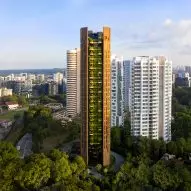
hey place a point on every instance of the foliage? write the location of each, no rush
(181, 102)
(60, 98)
(35, 172)
(8, 153)
(39, 171)
(38, 121)
(144, 168)
(21, 100)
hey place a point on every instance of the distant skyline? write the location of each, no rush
(36, 34)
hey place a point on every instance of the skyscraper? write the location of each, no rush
(95, 96)
(58, 77)
(165, 98)
(151, 90)
(127, 84)
(117, 91)
(73, 83)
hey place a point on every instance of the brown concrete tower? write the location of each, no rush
(95, 96)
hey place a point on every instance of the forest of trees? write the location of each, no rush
(38, 121)
(144, 168)
(181, 111)
(50, 171)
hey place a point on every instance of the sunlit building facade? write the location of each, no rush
(73, 82)
(95, 96)
(117, 91)
(151, 91)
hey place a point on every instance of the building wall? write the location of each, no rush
(95, 96)
(78, 80)
(52, 88)
(165, 98)
(151, 97)
(58, 77)
(5, 92)
(117, 92)
(73, 82)
(40, 78)
(127, 84)
(84, 93)
(106, 95)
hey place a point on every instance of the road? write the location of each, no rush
(119, 160)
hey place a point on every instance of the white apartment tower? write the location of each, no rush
(117, 90)
(151, 92)
(165, 98)
(58, 77)
(73, 82)
(127, 83)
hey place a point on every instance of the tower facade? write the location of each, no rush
(95, 96)
(165, 98)
(127, 83)
(73, 83)
(117, 91)
(151, 89)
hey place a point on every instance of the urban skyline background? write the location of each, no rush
(37, 34)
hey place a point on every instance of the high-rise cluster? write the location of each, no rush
(103, 89)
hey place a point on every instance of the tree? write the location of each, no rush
(164, 177)
(7, 185)
(35, 173)
(7, 174)
(142, 174)
(22, 100)
(56, 154)
(80, 164)
(181, 144)
(185, 174)
(98, 167)
(115, 136)
(7, 153)
(172, 148)
(61, 169)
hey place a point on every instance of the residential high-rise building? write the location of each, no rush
(127, 84)
(31, 77)
(52, 88)
(40, 78)
(73, 82)
(95, 96)
(117, 91)
(151, 90)
(58, 77)
(165, 98)
(188, 69)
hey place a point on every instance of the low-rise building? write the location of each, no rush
(5, 92)
(12, 105)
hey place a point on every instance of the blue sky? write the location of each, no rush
(37, 33)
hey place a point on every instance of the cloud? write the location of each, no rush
(168, 22)
(170, 35)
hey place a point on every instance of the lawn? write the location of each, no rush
(10, 115)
